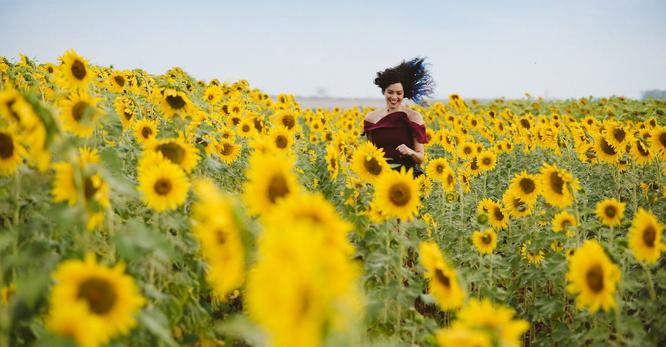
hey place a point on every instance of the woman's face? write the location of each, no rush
(393, 95)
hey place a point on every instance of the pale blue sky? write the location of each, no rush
(477, 48)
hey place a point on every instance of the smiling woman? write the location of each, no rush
(397, 130)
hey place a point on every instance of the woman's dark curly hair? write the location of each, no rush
(415, 79)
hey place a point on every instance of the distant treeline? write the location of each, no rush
(653, 94)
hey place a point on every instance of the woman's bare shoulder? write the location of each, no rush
(372, 115)
(414, 116)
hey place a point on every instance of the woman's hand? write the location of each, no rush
(404, 150)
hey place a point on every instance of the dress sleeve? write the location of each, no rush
(419, 132)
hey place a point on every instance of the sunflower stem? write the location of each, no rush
(648, 277)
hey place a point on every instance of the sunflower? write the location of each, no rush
(487, 160)
(645, 237)
(177, 150)
(173, 102)
(516, 206)
(106, 299)
(496, 320)
(498, 216)
(640, 152)
(315, 287)
(11, 153)
(332, 161)
(526, 187)
(564, 221)
(443, 282)
(117, 82)
(460, 336)
(616, 135)
(532, 256)
(79, 114)
(163, 184)
(92, 187)
(397, 194)
(610, 212)
(281, 139)
(270, 179)
(484, 241)
(72, 322)
(227, 150)
(557, 186)
(214, 225)
(145, 130)
(592, 277)
(74, 72)
(605, 151)
(449, 180)
(213, 94)
(467, 150)
(246, 129)
(287, 119)
(658, 142)
(368, 162)
(125, 107)
(437, 169)
(316, 213)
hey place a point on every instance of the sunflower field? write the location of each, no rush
(161, 210)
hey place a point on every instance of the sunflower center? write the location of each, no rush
(281, 142)
(474, 165)
(89, 188)
(519, 205)
(439, 169)
(486, 161)
(642, 149)
(467, 150)
(595, 278)
(372, 166)
(220, 236)
(78, 69)
(610, 211)
(172, 151)
(79, 110)
(333, 163)
(649, 236)
(258, 124)
(442, 278)
(227, 149)
(619, 134)
(662, 138)
(525, 123)
(556, 183)
(120, 80)
(162, 186)
(49, 69)
(99, 294)
(486, 239)
(6, 146)
(277, 188)
(128, 115)
(399, 194)
(499, 215)
(175, 101)
(527, 185)
(146, 132)
(606, 147)
(288, 121)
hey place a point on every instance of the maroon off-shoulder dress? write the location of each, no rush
(393, 130)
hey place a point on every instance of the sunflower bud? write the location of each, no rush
(482, 219)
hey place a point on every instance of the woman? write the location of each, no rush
(396, 129)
